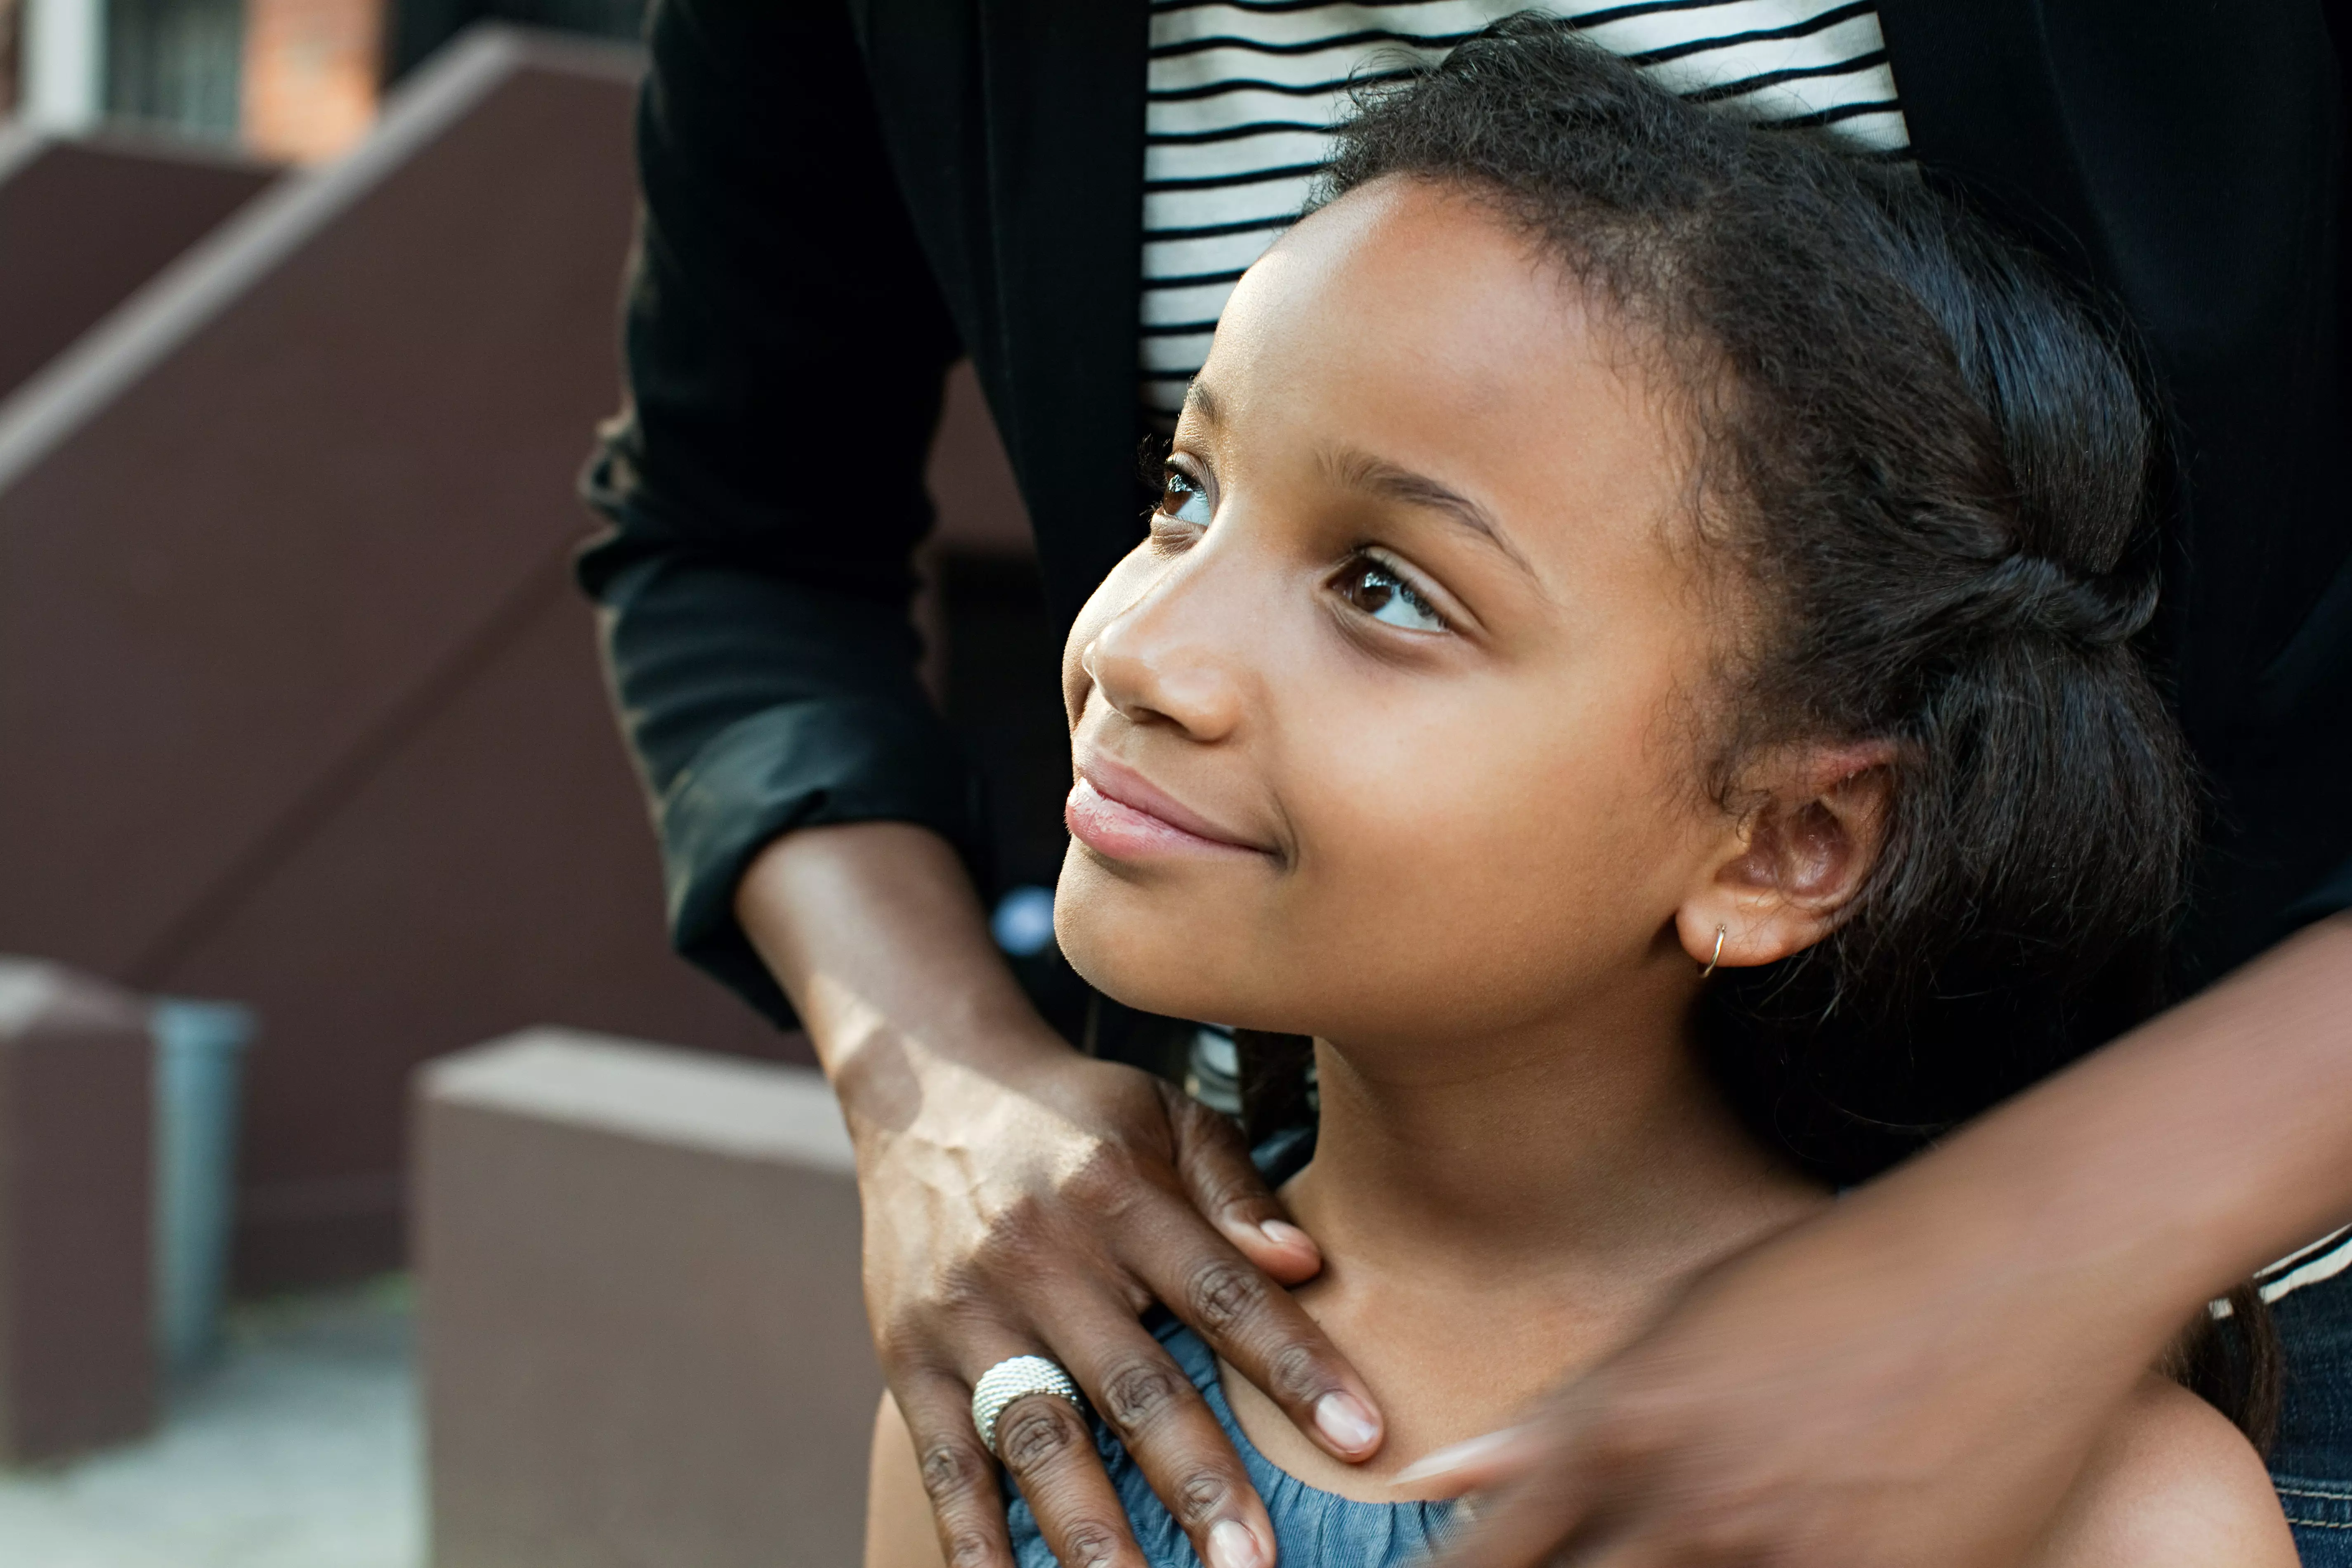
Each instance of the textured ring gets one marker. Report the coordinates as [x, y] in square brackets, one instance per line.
[1017, 1378]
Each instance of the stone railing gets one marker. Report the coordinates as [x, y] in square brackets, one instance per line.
[642, 1334]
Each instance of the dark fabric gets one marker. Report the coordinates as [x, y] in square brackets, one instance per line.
[2311, 1462]
[1312, 1527]
[786, 343]
[838, 203]
[2187, 161]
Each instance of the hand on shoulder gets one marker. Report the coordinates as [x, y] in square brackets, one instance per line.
[2172, 1484]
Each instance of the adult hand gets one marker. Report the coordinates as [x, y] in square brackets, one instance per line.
[1918, 1374]
[1043, 1214]
[1022, 1199]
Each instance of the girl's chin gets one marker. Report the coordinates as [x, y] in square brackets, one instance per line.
[1147, 985]
[1149, 978]
[1161, 945]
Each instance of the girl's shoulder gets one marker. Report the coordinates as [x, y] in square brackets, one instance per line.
[2171, 1484]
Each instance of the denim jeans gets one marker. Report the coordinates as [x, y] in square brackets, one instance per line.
[2313, 1461]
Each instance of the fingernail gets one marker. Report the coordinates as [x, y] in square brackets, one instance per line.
[1234, 1544]
[1343, 1418]
[1282, 1233]
[1461, 1456]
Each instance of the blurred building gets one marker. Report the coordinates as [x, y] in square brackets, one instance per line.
[287, 505]
[417, 27]
[11, 30]
[307, 309]
[294, 80]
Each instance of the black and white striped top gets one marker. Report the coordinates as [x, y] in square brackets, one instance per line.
[1241, 95]
[2323, 1259]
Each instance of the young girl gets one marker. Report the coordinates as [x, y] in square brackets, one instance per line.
[1635, 658]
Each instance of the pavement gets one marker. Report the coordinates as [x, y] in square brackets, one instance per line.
[301, 1449]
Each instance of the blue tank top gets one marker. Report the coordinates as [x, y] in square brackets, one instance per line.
[1312, 1529]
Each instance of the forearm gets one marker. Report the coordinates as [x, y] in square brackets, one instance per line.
[875, 932]
[2155, 1174]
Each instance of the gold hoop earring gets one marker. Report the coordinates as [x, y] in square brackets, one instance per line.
[1718, 955]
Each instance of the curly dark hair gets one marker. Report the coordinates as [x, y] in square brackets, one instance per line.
[1937, 474]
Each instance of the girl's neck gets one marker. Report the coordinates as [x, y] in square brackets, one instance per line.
[1598, 1145]
[1494, 1213]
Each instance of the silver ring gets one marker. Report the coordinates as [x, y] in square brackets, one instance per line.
[1016, 1378]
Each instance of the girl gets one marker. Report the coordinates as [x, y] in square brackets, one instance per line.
[1635, 659]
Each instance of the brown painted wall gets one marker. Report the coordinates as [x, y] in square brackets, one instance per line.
[302, 708]
[82, 223]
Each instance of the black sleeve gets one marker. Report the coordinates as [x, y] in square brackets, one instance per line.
[786, 346]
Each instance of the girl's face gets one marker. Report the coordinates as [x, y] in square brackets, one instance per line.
[1385, 731]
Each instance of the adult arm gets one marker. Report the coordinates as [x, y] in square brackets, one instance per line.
[786, 344]
[1932, 1360]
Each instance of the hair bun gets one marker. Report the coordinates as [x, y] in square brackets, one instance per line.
[2035, 594]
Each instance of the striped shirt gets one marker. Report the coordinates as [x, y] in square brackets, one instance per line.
[2323, 1259]
[1242, 95]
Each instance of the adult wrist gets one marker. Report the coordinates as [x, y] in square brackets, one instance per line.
[893, 1071]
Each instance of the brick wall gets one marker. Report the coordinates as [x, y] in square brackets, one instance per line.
[311, 69]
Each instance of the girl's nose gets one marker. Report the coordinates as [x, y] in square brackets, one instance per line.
[1162, 660]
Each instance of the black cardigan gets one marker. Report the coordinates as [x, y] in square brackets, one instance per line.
[839, 202]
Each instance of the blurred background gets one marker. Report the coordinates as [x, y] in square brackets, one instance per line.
[375, 1188]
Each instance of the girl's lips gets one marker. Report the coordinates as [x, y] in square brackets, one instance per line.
[1128, 830]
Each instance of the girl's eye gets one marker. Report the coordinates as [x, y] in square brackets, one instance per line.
[1382, 593]
[1183, 500]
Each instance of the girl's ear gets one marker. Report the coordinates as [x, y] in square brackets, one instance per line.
[1790, 867]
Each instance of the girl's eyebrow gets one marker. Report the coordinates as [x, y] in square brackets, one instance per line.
[1359, 470]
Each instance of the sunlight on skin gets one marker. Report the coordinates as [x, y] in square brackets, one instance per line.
[903, 1074]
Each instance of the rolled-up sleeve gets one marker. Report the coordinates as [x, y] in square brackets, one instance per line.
[785, 347]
